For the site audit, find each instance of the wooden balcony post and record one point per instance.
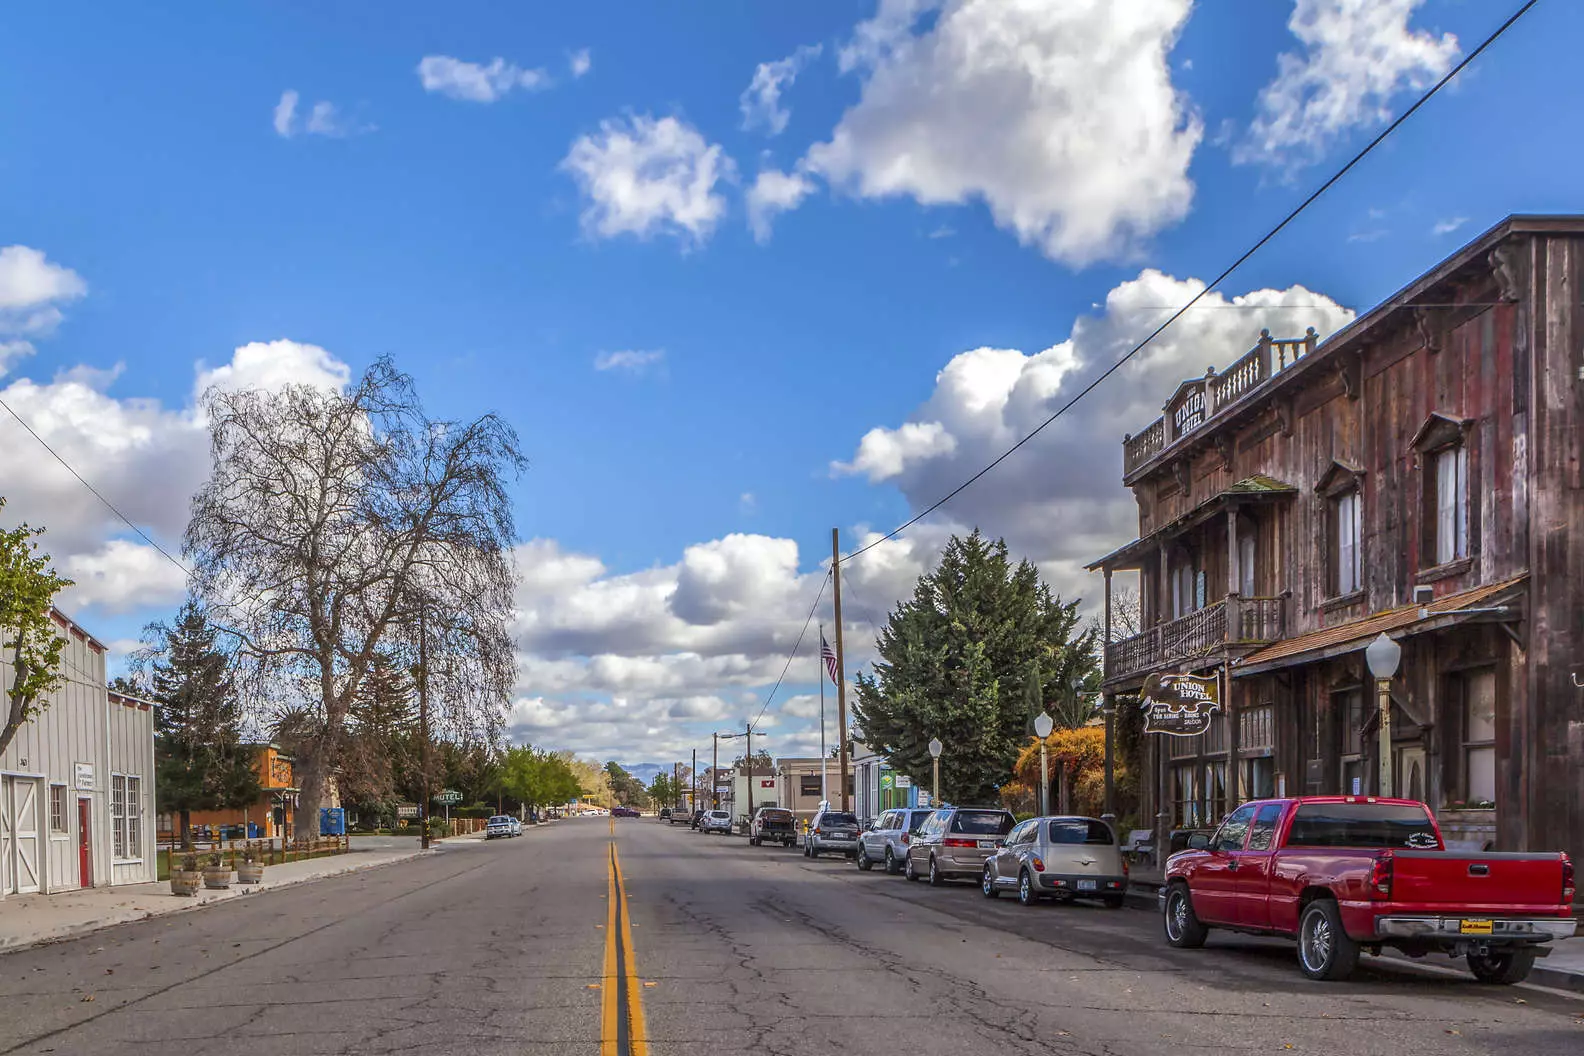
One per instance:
(1265, 354)
(1105, 644)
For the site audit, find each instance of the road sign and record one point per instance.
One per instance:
(404, 811)
(449, 796)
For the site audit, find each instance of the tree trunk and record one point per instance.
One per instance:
(186, 830)
(311, 793)
(1066, 789)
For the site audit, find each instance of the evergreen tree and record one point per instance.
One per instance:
(381, 753)
(200, 760)
(965, 660)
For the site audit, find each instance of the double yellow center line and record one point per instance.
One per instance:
(622, 1031)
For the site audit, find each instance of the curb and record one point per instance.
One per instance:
(80, 928)
(1557, 978)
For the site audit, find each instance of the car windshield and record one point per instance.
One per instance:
(982, 822)
(835, 818)
(1362, 825)
(499, 819)
(719, 814)
(1080, 830)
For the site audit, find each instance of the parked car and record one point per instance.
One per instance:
(716, 821)
(516, 826)
(698, 817)
(665, 813)
(498, 826)
(1058, 857)
(626, 812)
(831, 832)
(954, 843)
(772, 825)
(886, 840)
(1344, 874)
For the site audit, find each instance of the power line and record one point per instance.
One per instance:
(795, 645)
(1256, 247)
(96, 492)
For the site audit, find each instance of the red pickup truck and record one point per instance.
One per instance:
(1343, 874)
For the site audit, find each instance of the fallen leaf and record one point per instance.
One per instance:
(87, 997)
(109, 971)
(1455, 1033)
(1519, 1001)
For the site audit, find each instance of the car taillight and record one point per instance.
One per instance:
(1381, 875)
(1569, 885)
(960, 843)
(1039, 864)
(817, 832)
(907, 838)
(1124, 868)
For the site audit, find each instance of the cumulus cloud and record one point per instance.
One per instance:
(761, 100)
(122, 576)
(1089, 147)
(475, 83)
(645, 176)
(774, 192)
(1357, 56)
(32, 290)
(631, 361)
(580, 62)
(1061, 508)
(286, 113)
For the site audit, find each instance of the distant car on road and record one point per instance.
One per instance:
(716, 821)
(665, 813)
(954, 843)
(499, 826)
(625, 812)
(772, 825)
(1062, 857)
(832, 832)
(516, 826)
(698, 816)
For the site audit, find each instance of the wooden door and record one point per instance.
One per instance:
(84, 843)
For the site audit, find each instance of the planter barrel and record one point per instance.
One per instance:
(185, 883)
(250, 872)
(217, 878)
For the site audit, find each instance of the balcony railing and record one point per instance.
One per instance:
(1201, 400)
(1231, 621)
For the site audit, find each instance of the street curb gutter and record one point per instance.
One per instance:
(131, 916)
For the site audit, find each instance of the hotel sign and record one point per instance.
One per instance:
(1180, 705)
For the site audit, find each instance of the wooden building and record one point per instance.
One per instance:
(270, 816)
(77, 782)
(1419, 473)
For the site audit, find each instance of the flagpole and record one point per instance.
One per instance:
(824, 787)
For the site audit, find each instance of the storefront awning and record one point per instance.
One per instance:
(1400, 622)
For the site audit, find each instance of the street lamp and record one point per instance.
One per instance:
(1042, 729)
(1383, 655)
(935, 749)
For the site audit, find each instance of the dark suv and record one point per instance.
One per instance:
(955, 841)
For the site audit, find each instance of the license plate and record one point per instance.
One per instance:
(986, 843)
(1086, 885)
(1476, 927)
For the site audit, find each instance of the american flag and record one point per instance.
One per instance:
(829, 658)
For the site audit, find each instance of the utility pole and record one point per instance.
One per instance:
(748, 784)
(714, 770)
(841, 669)
(693, 784)
(423, 728)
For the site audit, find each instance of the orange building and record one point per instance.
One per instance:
(268, 816)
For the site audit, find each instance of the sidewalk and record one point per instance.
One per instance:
(26, 920)
(1563, 969)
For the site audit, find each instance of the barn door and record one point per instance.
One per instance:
(26, 876)
(7, 871)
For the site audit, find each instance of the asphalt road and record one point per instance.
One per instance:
(521, 946)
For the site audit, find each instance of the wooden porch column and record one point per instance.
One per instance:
(1234, 577)
(1163, 588)
(1108, 811)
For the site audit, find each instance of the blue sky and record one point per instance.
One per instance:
(482, 225)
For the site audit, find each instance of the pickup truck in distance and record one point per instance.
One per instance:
(1344, 874)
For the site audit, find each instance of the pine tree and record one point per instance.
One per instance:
(200, 760)
(963, 660)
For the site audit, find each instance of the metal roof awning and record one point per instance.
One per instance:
(1250, 489)
(1354, 635)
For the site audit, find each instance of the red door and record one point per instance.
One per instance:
(1215, 880)
(84, 843)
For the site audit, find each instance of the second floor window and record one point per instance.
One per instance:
(1347, 553)
(1451, 504)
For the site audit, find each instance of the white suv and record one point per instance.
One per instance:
(499, 825)
(716, 821)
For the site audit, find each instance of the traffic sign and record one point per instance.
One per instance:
(449, 796)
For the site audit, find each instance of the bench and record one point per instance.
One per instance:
(1139, 845)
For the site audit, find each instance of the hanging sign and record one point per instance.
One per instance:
(904, 781)
(1180, 705)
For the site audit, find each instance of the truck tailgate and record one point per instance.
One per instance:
(1477, 881)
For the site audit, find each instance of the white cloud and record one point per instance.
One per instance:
(643, 176)
(1358, 55)
(629, 361)
(1446, 227)
(122, 577)
(274, 365)
(580, 62)
(32, 289)
(322, 121)
(1059, 499)
(761, 100)
(1086, 149)
(747, 502)
(774, 192)
(471, 82)
(286, 114)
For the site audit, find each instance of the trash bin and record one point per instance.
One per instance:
(332, 821)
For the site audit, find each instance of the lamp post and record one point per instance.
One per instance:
(935, 749)
(1383, 655)
(1042, 729)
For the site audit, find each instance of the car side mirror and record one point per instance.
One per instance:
(1198, 842)
(1000, 843)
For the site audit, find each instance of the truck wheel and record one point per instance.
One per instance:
(1183, 929)
(1324, 949)
(864, 864)
(1502, 967)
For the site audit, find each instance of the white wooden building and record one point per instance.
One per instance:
(77, 782)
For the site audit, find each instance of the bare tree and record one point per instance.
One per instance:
(333, 526)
